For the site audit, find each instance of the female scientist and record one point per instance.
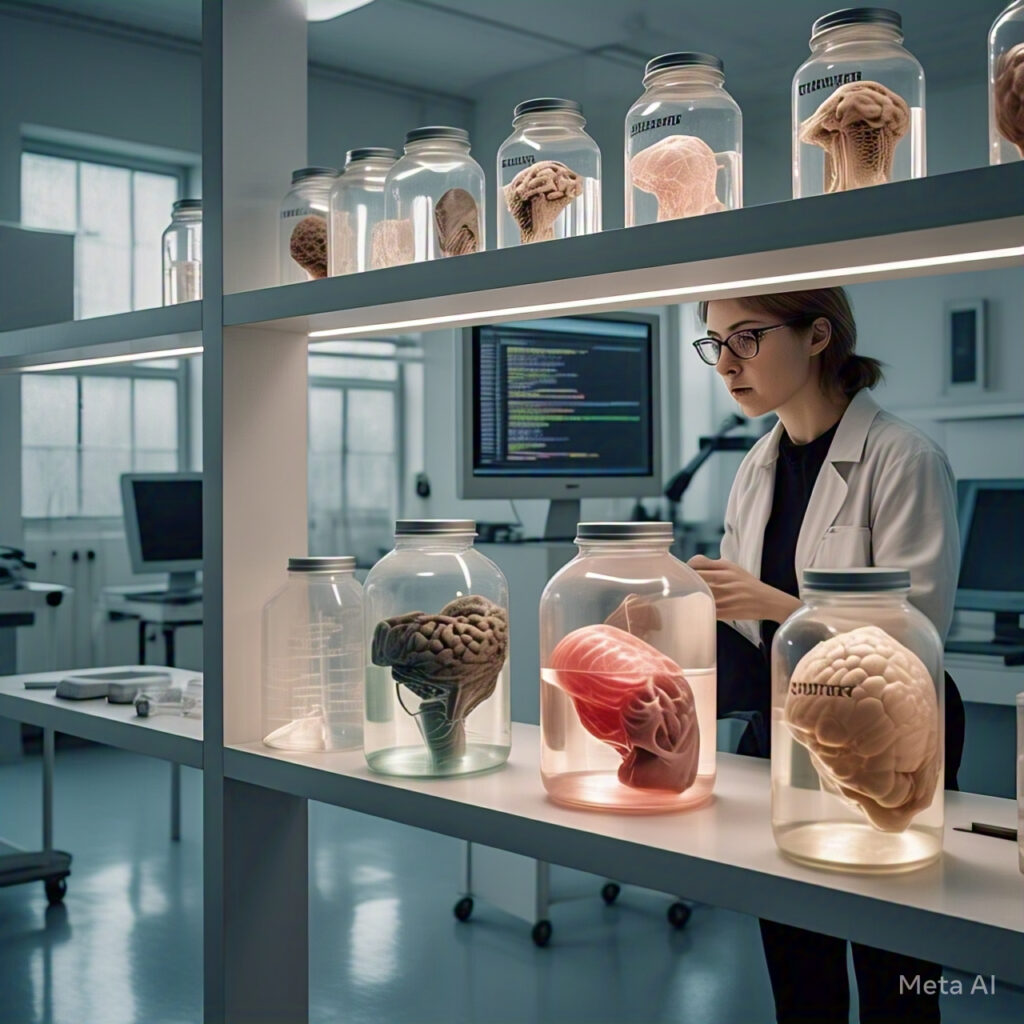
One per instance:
(838, 482)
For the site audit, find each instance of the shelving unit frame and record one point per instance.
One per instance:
(255, 338)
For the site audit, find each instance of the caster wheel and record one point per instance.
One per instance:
(610, 892)
(55, 890)
(541, 933)
(464, 908)
(678, 915)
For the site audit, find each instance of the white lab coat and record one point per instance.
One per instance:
(885, 496)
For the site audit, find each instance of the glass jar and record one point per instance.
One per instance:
(1006, 86)
(628, 675)
(858, 105)
(356, 208)
(182, 248)
(302, 226)
(313, 658)
(549, 175)
(433, 200)
(437, 676)
(857, 725)
(1020, 781)
(684, 142)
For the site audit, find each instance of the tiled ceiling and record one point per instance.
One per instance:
(455, 46)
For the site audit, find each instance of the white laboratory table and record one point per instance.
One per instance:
(967, 911)
(171, 738)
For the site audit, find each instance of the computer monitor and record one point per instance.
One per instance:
(562, 408)
(163, 519)
(992, 552)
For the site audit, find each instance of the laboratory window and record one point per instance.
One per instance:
(117, 212)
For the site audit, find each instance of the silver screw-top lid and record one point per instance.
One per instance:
(546, 103)
(338, 563)
(434, 527)
(187, 204)
(314, 172)
(625, 531)
(684, 59)
(866, 580)
(857, 16)
(369, 153)
(437, 132)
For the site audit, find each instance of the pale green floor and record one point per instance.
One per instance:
(126, 946)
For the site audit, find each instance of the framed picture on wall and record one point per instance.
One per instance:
(964, 347)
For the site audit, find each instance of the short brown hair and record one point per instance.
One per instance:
(841, 366)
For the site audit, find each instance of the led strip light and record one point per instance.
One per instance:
(132, 357)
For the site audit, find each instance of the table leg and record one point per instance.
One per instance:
(142, 641)
(169, 646)
(49, 757)
(176, 803)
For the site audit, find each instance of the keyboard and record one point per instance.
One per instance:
(167, 596)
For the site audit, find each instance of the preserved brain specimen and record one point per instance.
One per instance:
(864, 706)
(682, 172)
(458, 223)
(450, 661)
(538, 194)
(391, 244)
(634, 698)
(308, 245)
(858, 127)
(1008, 93)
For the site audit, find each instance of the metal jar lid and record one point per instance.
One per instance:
(434, 527)
(625, 531)
(857, 16)
(684, 59)
(314, 172)
(369, 153)
(857, 581)
(437, 132)
(339, 563)
(187, 204)
(546, 103)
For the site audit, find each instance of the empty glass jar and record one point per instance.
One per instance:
(302, 227)
(857, 725)
(434, 201)
(549, 175)
(628, 675)
(858, 105)
(182, 249)
(356, 208)
(437, 676)
(684, 142)
(1006, 86)
(313, 658)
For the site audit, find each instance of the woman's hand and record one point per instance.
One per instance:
(739, 595)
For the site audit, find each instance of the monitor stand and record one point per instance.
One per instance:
(563, 518)
(183, 583)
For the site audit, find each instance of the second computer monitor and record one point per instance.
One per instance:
(562, 408)
(163, 519)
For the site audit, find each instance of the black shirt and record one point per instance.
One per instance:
(796, 470)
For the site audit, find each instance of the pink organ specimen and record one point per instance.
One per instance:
(634, 698)
(308, 245)
(457, 220)
(858, 126)
(538, 194)
(1008, 94)
(681, 171)
(864, 706)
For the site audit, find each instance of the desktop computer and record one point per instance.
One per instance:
(163, 519)
(561, 408)
(992, 564)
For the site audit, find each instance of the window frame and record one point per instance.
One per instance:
(122, 161)
(132, 371)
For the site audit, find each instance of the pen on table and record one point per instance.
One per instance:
(995, 831)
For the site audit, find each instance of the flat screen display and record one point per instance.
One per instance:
(993, 556)
(563, 397)
(169, 514)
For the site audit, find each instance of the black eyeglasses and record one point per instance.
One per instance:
(743, 344)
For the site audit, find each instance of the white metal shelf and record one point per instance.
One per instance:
(141, 331)
(964, 912)
(931, 225)
(171, 738)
